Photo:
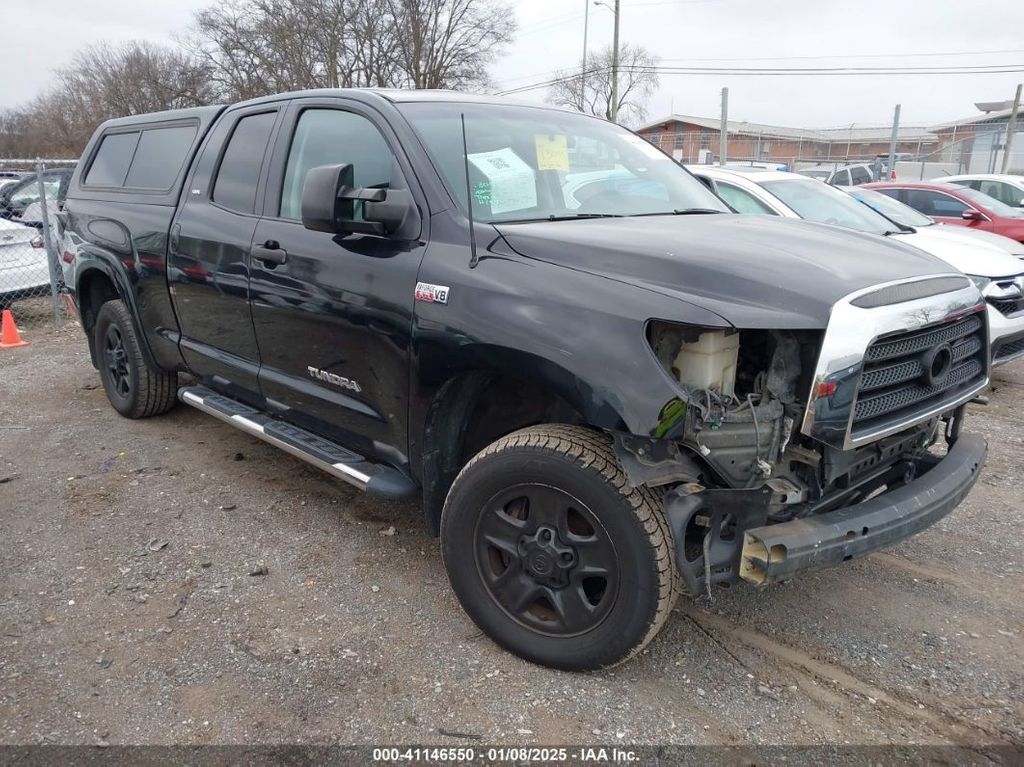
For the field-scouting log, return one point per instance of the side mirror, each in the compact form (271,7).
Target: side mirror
(1020,203)
(331,203)
(972,215)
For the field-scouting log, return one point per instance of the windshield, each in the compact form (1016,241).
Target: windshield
(530,163)
(815,173)
(990,203)
(894,210)
(827,205)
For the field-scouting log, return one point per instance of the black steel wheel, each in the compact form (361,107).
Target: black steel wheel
(546,560)
(134,387)
(115,359)
(554,554)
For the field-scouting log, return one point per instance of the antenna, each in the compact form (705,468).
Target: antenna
(473,260)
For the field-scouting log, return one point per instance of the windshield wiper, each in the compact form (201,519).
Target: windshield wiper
(553,217)
(570,216)
(681,212)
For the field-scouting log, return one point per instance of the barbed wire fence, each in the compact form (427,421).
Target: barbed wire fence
(31,278)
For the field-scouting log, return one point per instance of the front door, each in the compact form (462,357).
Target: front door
(209,252)
(333,313)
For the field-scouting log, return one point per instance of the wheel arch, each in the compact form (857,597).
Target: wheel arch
(94,286)
(474,407)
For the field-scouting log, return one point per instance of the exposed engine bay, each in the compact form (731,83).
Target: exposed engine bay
(729,451)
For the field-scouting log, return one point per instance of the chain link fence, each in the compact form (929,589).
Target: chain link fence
(922,152)
(31,278)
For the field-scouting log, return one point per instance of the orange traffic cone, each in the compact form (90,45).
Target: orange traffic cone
(9,337)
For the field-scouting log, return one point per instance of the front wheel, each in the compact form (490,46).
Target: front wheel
(134,388)
(554,554)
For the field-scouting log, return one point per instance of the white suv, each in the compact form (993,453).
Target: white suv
(847,175)
(1004,187)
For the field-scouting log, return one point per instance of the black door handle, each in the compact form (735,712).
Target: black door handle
(270,253)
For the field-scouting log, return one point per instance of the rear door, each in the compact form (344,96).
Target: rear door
(208,253)
(333,315)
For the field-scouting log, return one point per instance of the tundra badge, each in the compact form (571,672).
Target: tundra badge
(333,378)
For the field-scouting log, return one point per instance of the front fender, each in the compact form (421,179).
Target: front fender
(576,334)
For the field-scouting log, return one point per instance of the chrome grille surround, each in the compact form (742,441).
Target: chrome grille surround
(854,331)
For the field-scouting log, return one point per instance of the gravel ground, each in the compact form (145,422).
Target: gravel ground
(129,612)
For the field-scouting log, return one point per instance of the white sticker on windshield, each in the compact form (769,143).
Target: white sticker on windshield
(512,181)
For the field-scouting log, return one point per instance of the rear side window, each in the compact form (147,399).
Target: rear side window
(239,173)
(159,157)
(743,201)
(860,176)
(841,178)
(110,166)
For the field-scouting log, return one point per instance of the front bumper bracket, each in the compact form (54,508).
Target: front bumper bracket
(777,552)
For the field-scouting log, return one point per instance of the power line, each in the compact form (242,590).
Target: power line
(807,58)
(785,72)
(858,56)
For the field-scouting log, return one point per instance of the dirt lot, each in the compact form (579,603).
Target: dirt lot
(128,613)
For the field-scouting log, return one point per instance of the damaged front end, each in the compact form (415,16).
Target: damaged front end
(791,450)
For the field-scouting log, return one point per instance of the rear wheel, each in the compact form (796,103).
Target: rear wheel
(554,554)
(134,388)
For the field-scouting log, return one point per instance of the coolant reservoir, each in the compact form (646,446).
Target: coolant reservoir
(709,362)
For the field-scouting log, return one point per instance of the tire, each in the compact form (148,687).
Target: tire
(553,554)
(135,389)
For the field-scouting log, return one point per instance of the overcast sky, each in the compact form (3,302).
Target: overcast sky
(694,32)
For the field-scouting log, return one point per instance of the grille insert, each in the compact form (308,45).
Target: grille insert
(912,373)
(922,340)
(908,370)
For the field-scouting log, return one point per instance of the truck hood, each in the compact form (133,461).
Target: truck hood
(754,271)
(964,251)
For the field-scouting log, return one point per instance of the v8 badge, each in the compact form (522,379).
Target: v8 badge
(431,294)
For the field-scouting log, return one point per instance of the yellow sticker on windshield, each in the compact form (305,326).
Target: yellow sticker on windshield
(552,152)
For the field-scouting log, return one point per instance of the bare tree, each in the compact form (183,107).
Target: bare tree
(239,49)
(256,47)
(449,43)
(101,82)
(638,79)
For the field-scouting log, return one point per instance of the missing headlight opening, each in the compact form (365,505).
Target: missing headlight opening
(740,396)
(735,428)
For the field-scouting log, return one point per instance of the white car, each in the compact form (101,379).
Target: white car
(904,215)
(1004,187)
(997,273)
(24,272)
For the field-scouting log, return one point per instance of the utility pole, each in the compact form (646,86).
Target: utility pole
(614,111)
(583,70)
(723,129)
(1010,126)
(892,142)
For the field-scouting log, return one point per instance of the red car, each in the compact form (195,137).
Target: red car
(952,204)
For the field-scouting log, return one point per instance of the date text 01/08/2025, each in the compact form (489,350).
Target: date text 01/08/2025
(498,754)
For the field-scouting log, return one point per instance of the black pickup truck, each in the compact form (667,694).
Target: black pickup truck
(606,388)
